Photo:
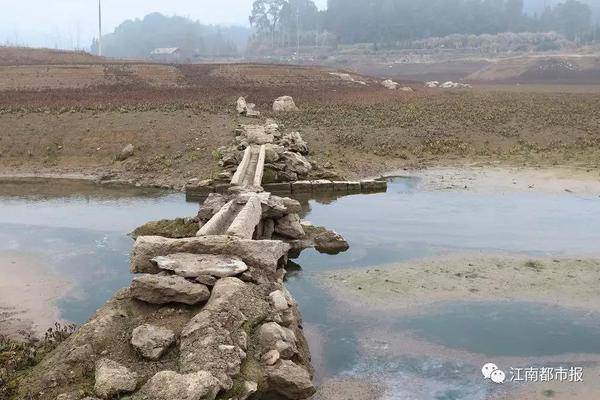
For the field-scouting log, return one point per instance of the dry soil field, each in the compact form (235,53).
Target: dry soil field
(73,118)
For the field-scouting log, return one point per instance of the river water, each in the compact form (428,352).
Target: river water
(80,230)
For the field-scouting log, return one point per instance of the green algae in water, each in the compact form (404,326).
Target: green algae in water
(507,329)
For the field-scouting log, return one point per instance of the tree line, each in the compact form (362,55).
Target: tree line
(285,23)
(138,38)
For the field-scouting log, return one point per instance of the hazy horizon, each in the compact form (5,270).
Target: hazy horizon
(72,24)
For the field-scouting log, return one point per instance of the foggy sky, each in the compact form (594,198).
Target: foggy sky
(73,23)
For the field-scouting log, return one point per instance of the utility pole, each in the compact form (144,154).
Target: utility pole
(298,30)
(100,27)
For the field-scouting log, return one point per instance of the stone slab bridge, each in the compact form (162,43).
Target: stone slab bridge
(206,317)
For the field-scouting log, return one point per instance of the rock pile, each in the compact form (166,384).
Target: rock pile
(448,85)
(205,316)
(245,108)
(280,220)
(285,154)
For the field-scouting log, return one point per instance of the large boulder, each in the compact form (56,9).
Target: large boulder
(262,254)
(290,380)
(296,163)
(113,379)
(158,289)
(169,385)
(290,227)
(284,104)
(152,341)
(194,265)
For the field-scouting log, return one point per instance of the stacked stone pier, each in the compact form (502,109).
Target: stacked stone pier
(206,316)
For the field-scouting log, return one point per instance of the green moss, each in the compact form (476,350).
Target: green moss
(173,229)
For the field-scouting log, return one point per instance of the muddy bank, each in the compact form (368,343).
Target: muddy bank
(482,178)
(470,277)
(28,295)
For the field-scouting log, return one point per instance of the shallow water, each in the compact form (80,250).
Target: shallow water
(406,224)
(80,230)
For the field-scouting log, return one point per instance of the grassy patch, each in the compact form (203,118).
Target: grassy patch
(535,265)
(17,357)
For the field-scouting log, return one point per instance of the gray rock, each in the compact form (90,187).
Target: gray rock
(157,289)
(290,227)
(293,142)
(80,354)
(270,357)
(256,134)
(207,280)
(213,203)
(127,152)
(169,385)
(296,163)
(194,265)
(284,104)
(112,379)
(152,341)
(241,105)
(248,389)
(213,339)
(272,336)
(278,300)
(290,380)
(273,153)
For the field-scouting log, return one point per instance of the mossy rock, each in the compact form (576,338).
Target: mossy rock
(170,228)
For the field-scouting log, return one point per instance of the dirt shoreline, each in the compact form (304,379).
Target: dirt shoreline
(28,295)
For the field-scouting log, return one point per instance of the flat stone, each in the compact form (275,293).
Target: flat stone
(302,187)
(190,265)
(152,341)
(340,186)
(322,186)
(157,289)
(113,379)
(278,187)
(263,254)
(354,187)
(169,385)
(373,186)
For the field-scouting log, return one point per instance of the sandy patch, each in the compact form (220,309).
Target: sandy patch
(486,179)
(348,389)
(28,293)
(470,277)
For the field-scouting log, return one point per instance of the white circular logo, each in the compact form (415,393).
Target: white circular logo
(498,376)
(488,369)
